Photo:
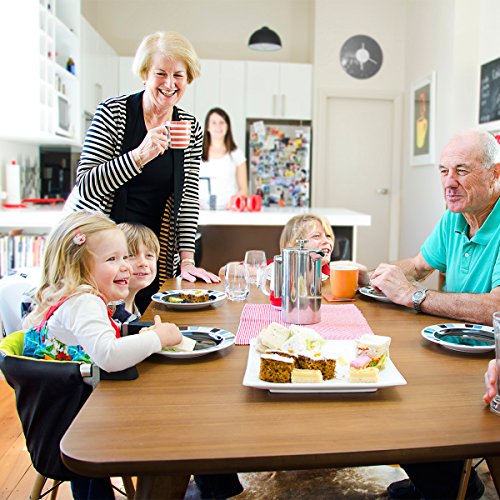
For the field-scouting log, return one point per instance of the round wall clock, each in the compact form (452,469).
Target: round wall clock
(361,56)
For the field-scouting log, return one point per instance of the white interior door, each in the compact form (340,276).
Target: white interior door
(361,153)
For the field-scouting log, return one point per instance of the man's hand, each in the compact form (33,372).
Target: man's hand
(392,282)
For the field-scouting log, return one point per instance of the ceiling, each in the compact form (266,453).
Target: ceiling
(218,29)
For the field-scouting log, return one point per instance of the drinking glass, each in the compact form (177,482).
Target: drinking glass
(255,263)
(236,281)
(495,402)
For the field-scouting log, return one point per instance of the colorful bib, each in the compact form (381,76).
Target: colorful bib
(39,344)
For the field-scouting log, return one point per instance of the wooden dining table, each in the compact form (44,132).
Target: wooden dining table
(184,416)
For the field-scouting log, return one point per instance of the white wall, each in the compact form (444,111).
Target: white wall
(453,38)
(218,29)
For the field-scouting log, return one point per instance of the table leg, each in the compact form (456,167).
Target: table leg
(494,468)
(167,487)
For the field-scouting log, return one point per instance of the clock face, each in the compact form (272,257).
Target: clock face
(361,56)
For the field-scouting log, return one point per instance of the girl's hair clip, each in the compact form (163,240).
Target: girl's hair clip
(79,238)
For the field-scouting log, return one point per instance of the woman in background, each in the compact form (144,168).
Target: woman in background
(222,162)
(128,172)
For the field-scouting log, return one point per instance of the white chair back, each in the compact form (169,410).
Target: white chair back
(12,288)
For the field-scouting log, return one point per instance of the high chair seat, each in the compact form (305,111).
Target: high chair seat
(49,395)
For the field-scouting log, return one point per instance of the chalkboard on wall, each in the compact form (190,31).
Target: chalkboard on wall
(489,94)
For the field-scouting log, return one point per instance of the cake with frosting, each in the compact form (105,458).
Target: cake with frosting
(276,368)
(315,361)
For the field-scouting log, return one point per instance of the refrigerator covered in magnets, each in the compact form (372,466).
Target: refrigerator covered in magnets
(278,153)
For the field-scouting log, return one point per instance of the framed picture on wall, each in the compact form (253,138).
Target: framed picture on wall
(423,118)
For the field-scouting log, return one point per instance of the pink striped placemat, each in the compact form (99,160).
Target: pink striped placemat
(338,322)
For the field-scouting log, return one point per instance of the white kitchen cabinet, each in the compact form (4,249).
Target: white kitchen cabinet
(128,82)
(222,85)
(39,95)
(99,68)
(278,90)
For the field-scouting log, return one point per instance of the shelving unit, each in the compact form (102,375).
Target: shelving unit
(37,39)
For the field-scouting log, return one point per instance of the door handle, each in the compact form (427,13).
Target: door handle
(382,191)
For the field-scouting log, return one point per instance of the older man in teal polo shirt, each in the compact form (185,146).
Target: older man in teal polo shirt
(465,243)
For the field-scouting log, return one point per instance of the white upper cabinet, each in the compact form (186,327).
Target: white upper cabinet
(278,90)
(128,82)
(222,85)
(99,70)
(40,88)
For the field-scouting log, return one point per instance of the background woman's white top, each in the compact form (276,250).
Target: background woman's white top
(222,174)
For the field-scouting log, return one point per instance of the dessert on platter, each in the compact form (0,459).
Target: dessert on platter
(299,355)
(303,376)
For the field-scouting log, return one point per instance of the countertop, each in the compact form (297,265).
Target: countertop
(42,218)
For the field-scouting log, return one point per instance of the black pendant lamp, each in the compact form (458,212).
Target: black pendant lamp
(265,39)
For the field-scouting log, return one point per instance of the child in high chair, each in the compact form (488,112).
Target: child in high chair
(85,267)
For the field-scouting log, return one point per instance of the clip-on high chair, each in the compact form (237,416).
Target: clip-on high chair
(49,395)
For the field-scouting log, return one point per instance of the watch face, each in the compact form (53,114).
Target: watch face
(361,56)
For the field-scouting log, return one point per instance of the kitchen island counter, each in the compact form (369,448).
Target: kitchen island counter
(226,235)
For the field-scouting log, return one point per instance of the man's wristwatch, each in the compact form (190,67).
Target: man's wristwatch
(418,297)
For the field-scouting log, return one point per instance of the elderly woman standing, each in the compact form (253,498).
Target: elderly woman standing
(126,169)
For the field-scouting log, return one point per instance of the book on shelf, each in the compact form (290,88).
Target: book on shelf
(20,251)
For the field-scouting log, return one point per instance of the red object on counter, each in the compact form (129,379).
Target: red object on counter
(240,203)
(254,203)
(51,201)
(237,203)
(11,205)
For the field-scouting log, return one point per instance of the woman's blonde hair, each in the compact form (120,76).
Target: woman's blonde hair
(298,227)
(137,234)
(170,44)
(66,261)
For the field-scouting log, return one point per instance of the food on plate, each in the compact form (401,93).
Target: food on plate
(293,339)
(173,299)
(195,297)
(374,346)
(363,375)
(187,344)
(272,337)
(317,362)
(276,368)
(304,376)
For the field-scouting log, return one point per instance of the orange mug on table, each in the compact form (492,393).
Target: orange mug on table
(343,280)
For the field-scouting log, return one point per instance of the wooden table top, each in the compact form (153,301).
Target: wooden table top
(194,415)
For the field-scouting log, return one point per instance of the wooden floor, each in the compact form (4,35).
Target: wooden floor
(17,475)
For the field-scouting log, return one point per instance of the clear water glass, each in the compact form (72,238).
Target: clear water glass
(495,402)
(236,281)
(255,263)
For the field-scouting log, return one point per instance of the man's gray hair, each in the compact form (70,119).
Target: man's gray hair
(490,151)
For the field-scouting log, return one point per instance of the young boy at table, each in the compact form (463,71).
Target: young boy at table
(144,249)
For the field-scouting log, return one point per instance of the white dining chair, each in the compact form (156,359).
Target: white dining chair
(12,288)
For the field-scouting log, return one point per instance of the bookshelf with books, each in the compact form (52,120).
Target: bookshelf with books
(22,235)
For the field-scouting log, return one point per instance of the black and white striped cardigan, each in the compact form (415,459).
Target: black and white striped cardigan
(103,168)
